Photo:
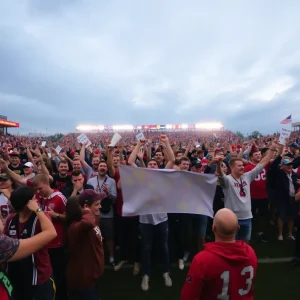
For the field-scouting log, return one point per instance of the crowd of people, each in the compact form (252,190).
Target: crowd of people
(61,209)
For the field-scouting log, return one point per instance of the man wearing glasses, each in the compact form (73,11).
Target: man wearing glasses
(236,188)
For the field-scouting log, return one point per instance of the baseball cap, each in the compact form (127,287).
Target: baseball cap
(11,153)
(196,163)
(294,145)
(4,176)
(286,161)
(88,196)
(28,164)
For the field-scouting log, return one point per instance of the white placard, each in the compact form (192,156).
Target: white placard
(285,132)
(84,140)
(58,149)
(115,139)
(44,143)
(49,154)
(140,136)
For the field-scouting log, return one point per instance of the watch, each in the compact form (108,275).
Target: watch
(38,210)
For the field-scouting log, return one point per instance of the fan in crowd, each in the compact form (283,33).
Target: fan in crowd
(68,207)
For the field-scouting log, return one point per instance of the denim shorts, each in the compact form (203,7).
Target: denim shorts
(244,232)
(202,225)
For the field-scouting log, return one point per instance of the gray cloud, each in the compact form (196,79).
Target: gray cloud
(70,62)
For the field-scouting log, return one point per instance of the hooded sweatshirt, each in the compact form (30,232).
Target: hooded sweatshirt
(86,256)
(221,271)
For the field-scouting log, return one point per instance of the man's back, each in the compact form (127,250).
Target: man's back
(222,271)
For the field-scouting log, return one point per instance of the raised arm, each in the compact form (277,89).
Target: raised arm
(164,139)
(15,177)
(84,164)
(270,154)
(134,153)
(111,168)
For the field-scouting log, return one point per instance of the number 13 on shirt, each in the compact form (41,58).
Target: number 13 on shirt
(247,272)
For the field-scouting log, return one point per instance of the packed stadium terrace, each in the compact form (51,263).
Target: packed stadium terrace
(79,176)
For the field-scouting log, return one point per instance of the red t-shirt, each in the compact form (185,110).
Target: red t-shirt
(258,187)
(221,271)
(56,202)
(119,202)
(41,257)
(204,162)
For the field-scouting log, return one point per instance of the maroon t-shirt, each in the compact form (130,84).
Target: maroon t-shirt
(41,257)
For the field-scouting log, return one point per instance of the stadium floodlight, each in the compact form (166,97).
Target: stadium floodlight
(122,127)
(169,126)
(89,127)
(184,126)
(208,125)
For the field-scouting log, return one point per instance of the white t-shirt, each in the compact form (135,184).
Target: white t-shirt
(236,199)
(153,219)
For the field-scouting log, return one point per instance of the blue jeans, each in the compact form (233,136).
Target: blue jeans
(89,294)
(244,233)
(148,232)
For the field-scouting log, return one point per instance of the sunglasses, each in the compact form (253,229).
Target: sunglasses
(242,191)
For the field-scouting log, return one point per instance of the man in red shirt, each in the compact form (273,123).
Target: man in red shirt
(259,195)
(226,268)
(54,203)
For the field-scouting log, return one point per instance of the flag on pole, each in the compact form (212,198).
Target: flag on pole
(287,120)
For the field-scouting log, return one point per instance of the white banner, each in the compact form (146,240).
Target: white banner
(150,191)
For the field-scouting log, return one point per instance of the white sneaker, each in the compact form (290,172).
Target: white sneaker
(145,283)
(168,280)
(186,256)
(280,238)
(136,269)
(120,265)
(180,264)
(291,237)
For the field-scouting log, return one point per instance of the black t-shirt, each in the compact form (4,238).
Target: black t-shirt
(18,170)
(23,158)
(60,183)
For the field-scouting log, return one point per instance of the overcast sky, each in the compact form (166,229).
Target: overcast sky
(66,62)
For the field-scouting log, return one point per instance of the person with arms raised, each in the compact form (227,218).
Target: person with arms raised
(236,188)
(154,225)
(226,268)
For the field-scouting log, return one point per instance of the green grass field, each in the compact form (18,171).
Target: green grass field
(275,281)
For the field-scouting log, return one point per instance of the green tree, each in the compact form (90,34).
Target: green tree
(255,134)
(238,133)
(54,138)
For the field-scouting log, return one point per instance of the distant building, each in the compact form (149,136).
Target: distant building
(4,124)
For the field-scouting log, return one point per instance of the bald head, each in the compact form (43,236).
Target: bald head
(225,224)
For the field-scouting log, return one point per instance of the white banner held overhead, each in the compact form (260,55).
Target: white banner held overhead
(285,130)
(115,139)
(150,191)
(84,140)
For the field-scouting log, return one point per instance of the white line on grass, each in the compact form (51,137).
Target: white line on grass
(260,260)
